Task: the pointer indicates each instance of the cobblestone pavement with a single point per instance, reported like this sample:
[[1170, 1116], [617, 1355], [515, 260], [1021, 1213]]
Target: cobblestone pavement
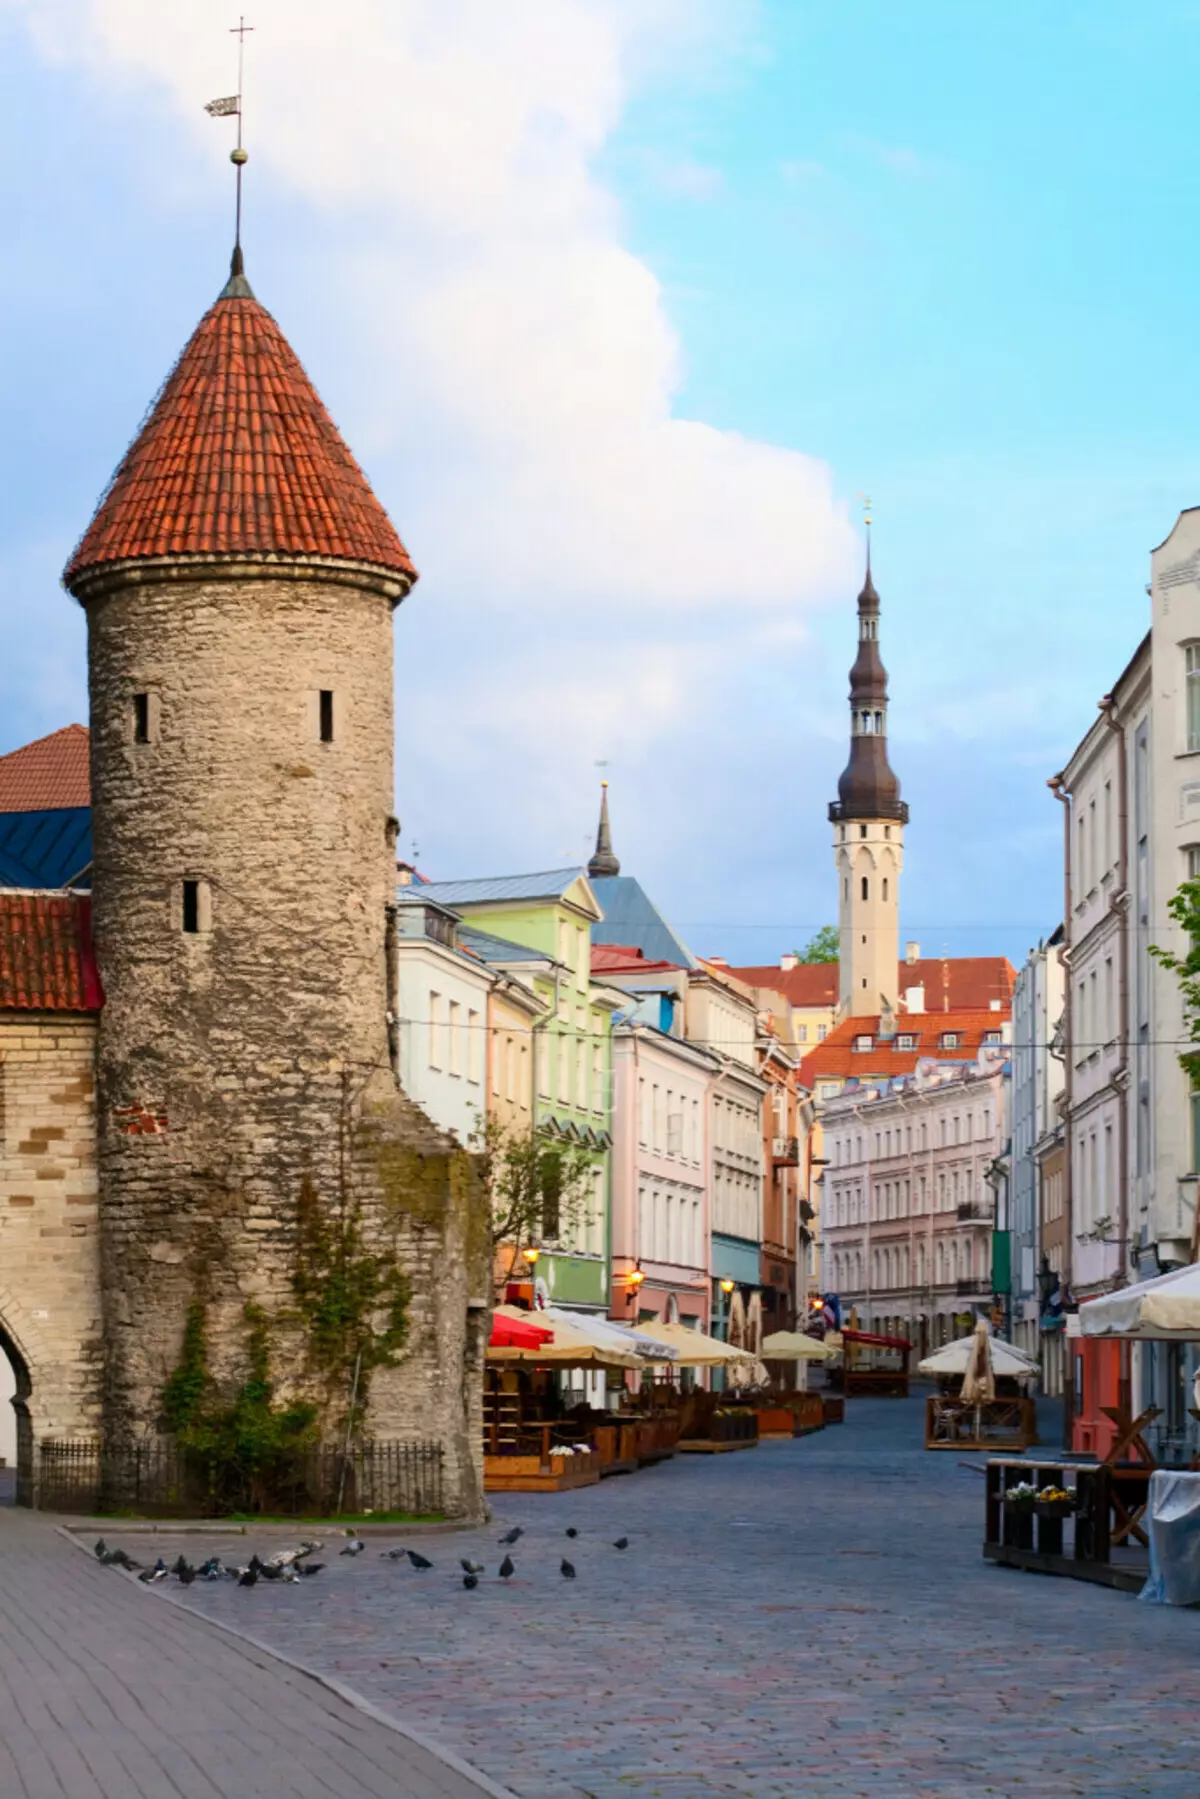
[[106, 1695], [811, 1619]]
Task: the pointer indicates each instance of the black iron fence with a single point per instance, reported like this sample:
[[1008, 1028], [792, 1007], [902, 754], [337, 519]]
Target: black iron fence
[[156, 1478]]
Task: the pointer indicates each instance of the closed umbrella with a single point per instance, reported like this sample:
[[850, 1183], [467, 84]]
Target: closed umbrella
[[979, 1382]]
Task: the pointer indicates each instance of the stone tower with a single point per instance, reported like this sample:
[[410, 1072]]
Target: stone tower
[[868, 819], [239, 580]]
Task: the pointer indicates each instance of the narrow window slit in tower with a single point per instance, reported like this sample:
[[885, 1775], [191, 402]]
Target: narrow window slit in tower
[[865, 888], [326, 699], [141, 718], [191, 907]]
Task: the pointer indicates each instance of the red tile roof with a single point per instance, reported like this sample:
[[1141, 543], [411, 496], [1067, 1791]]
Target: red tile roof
[[48, 775], [837, 1059], [46, 959], [621, 958], [967, 981], [239, 457]]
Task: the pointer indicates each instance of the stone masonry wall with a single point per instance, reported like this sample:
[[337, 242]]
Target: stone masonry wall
[[238, 1063], [49, 1239]]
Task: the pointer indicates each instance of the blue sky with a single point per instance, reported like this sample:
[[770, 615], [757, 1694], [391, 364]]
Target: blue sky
[[944, 254]]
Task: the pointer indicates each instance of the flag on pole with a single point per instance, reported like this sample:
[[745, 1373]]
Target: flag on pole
[[221, 109]]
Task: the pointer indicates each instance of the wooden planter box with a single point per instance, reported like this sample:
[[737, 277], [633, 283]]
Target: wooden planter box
[[834, 1408], [616, 1448], [530, 1474], [657, 1438]]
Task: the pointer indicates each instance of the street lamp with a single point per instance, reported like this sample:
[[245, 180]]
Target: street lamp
[[634, 1280], [725, 1287], [532, 1256]]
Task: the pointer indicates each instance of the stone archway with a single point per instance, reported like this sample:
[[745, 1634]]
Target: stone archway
[[22, 1389]]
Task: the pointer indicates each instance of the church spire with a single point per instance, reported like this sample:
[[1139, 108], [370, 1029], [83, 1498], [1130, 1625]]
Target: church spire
[[867, 787], [604, 862]]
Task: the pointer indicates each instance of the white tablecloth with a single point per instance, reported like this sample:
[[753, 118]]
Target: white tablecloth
[[1172, 1521]]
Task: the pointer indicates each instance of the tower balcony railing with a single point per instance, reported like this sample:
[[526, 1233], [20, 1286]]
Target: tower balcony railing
[[841, 814]]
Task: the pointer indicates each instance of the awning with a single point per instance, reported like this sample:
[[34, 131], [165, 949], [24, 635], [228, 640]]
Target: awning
[[1167, 1307], [518, 1333], [693, 1349], [876, 1342], [622, 1337], [954, 1357], [794, 1346], [576, 1344]]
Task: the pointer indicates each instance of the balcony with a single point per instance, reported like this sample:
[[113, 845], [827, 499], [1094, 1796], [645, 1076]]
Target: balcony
[[785, 1152], [897, 809], [976, 1211], [974, 1287]]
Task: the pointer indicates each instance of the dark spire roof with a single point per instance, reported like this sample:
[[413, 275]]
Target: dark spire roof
[[238, 458], [867, 787], [604, 862]]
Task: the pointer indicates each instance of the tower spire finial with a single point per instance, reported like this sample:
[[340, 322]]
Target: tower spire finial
[[237, 287], [604, 862]]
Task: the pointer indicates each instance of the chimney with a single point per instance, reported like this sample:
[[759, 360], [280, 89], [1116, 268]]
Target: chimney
[[789, 961], [912, 952], [914, 998]]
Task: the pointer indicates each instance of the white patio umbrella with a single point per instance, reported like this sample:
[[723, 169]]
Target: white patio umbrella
[[979, 1380], [953, 1358], [1166, 1307]]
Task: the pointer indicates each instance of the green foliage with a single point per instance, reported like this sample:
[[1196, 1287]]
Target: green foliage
[[246, 1442], [1184, 908], [536, 1186], [824, 947], [353, 1303]]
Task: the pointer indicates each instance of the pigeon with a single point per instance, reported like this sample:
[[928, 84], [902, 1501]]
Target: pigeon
[[117, 1558], [354, 1547], [511, 1536], [419, 1561], [186, 1576], [507, 1567], [269, 1571], [571, 1531], [307, 1568], [621, 1543], [158, 1572], [179, 1565], [566, 1569], [471, 1567], [393, 1555], [247, 1577], [212, 1569], [101, 1549], [470, 1581]]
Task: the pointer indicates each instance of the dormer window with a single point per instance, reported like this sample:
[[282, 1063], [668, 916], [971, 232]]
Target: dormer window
[[950, 1040], [906, 1041], [865, 1042], [991, 1037]]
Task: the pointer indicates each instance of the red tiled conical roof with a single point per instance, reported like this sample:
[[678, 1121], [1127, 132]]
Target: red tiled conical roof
[[239, 457]]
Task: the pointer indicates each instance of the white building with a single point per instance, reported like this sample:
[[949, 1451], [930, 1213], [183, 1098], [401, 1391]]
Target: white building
[[909, 1204], [1037, 1082], [441, 1016]]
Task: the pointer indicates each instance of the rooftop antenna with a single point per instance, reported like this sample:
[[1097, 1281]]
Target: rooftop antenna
[[866, 506], [231, 105]]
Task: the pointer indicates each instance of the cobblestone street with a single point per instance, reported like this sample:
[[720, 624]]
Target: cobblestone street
[[809, 1618]]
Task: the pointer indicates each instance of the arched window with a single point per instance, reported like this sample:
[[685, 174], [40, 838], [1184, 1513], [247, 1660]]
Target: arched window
[[864, 887], [879, 724], [885, 887]]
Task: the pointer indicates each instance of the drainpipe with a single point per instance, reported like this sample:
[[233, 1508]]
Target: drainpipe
[[1057, 786], [391, 939], [1119, 904]]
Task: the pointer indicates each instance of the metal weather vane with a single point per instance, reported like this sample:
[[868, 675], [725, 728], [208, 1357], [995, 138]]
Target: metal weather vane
[[231, 106]]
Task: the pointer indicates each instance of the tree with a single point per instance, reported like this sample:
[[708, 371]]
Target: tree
[[1184, 908], [537, 1187], [824, 946]]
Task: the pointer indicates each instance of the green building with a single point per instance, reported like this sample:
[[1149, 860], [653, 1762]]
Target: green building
[[537, 928]]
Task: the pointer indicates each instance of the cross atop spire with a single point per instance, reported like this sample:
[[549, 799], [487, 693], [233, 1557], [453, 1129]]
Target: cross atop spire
[[604, 862], [237, 287]]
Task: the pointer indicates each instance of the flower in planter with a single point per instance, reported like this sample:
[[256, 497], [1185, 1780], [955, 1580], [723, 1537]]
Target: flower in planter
[[1022, 1495]]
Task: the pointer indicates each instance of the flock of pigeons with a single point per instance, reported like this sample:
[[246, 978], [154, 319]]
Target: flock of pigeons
[[296, 1564]]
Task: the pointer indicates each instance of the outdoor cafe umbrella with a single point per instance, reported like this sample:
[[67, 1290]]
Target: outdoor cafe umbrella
[[1166, 1307], [979, 1381], [575, 1344], [1007, 1360], [794, 1346], [518, 1333], [693, 1348]]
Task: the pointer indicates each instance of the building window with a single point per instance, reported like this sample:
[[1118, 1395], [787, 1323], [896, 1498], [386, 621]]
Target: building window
[[325, 712], [455, 1057], [197, 908], [950, 1040], [862, 830], [991, 1037], [141, 718], [1192, 667], [865, 888], [864, 1043], [822, 1030], [474, 1047], [885, 888], [1192, 861], [801, 1033], [435, 1030], [905, 1041]]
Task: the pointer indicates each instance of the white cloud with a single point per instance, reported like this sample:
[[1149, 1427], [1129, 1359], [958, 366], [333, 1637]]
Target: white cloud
[[505, 338]]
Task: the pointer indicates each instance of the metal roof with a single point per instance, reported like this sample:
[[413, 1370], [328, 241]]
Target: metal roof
[[498, 951], [46, 849], [551, 884], [632, 918]]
